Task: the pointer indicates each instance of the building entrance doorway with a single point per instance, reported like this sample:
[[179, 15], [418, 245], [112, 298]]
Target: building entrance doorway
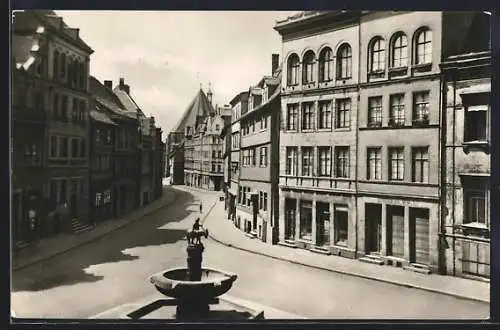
[[373, 227], [419, 235], [322, 224]]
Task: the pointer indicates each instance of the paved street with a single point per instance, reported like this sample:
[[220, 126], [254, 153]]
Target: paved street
[[113, 270]]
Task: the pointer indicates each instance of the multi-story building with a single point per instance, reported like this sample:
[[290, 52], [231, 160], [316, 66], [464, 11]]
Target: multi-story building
[[126, 168], [231, 136], [101, 159], [29, 127], [175, 157], [361, 132], [257, 202], [318, 147], [64, 62], [203, 149], [466, 137]]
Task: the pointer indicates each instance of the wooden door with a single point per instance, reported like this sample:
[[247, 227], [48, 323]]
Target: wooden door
[[419, 222]]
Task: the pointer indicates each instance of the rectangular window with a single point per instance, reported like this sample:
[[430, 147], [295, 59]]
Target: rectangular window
[[240, 194], [265, 201], [476, 204], [343, 119], [397, 115], [374, 156], [74, 113], [305, 220], [396, 164], [263, 156], [476, 123], [83, 110], [292, 117], [63, 147], [307, 116], [421, 107], [325, 114], [420, 160], [291, 160], [375, 111], [53, 146], [252, 157], [341, 217], [56, 106], [64, 107], [74, 148], [342, 162], [325, 161], [307, 161]]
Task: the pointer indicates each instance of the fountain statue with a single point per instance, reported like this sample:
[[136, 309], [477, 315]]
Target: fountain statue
[[194, 288]]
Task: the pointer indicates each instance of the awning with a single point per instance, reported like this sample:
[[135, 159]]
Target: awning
[[476, 89]]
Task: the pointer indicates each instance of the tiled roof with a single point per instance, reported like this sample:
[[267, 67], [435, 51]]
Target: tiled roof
[[108, 99], [127, 101], [101, 117], [199, 107]]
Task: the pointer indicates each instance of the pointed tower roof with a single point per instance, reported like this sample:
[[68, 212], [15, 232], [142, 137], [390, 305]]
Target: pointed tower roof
[[199, 107]]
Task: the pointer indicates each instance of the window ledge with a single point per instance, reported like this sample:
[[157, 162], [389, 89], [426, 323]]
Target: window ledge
[[475, 229], [398, 69], [424, 67], [476, 146]]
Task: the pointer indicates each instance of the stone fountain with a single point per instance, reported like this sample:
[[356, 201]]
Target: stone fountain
[[190, 291]]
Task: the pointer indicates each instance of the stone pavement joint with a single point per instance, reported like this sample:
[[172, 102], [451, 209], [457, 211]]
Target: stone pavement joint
[[58, 245], [223, 231]]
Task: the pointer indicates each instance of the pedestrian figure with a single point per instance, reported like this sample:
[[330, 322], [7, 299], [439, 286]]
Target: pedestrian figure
[[201, 207]]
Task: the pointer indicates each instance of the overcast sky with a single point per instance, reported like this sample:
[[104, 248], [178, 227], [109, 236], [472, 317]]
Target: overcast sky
[[164, 56]]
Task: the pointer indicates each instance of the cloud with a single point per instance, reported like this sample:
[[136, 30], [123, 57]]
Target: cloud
[[164, 56]]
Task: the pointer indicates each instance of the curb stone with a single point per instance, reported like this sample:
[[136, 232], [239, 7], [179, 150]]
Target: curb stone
[[373, 278], [91, 239]]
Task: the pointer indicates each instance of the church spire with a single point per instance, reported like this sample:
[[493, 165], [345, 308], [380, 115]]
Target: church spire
[[209, 93]]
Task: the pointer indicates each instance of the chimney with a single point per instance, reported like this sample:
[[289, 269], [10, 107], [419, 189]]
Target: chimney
[[108, 84], [126, 88], [275, 62], [122, 83]]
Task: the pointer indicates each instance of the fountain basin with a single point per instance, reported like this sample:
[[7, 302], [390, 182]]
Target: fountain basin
[[174, 283]]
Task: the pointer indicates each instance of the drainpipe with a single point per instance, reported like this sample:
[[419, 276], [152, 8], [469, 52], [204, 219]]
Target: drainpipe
[[356, 140], [453, 167], [443, 166]]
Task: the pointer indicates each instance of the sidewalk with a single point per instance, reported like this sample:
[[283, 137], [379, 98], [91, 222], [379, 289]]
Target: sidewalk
[[56, 245], [223, 231]]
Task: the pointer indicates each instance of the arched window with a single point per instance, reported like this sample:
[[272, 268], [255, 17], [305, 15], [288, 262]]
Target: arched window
[[308, 67], [423, 47], [55, 65], [325, 64], [377, 55], [399, 54], [293, 69], [344, 62], [63, 66]]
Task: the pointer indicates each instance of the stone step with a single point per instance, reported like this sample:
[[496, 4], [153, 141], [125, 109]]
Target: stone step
[[287, 243], [372, 259], [418, 268], [250, 235], [320, 250]]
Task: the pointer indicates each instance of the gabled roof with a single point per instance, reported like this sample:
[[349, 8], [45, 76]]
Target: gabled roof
[[106, 98], [199, 107], [22, 51], [127, 101]]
